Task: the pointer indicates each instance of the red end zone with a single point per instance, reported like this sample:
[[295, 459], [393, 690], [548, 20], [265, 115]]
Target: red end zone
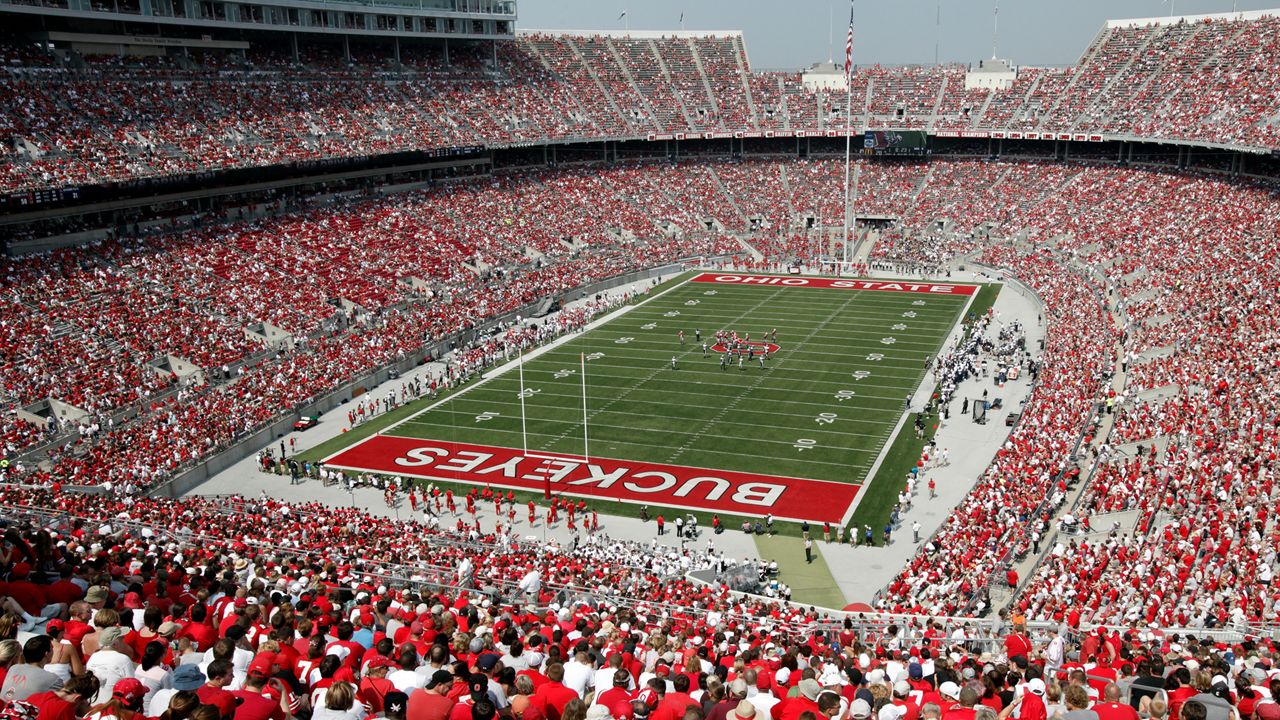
[[836, 283], [721, 491]]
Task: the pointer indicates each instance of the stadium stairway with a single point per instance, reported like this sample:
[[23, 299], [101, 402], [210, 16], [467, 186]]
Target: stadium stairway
[[756, 255], [1002, 596], [706, 83], [666, 77], [604, 93], [728, 196], [626, 73], [740, 55]]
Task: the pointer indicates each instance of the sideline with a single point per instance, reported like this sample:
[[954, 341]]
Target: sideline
[[956, 331]]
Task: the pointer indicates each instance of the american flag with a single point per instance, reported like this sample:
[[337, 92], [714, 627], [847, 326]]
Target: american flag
[[848, 45]]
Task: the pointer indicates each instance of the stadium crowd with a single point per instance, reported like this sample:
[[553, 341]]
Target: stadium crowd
[[160, 609], [70, 120], [1058, 228]]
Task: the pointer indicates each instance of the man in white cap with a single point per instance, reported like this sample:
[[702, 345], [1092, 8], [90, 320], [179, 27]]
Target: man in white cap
[[964, 701], [906, 698], [1032, 705], [950, 693]]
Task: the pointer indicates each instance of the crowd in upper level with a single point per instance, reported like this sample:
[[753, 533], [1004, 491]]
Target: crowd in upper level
[[70, 120]]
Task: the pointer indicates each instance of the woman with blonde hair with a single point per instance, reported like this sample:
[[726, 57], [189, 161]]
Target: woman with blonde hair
[[339, 704], [102, 620], [10, 651]]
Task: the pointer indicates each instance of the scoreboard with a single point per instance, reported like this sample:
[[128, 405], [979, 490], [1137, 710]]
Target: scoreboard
[[35, 198], [902, 143]]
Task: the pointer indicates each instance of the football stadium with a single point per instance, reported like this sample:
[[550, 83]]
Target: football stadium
[[400, 359]]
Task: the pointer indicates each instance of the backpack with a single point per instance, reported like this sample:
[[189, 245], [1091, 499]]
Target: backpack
[[19, 710]]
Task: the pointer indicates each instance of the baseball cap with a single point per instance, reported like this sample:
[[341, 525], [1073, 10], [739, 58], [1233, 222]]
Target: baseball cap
[[440, 677], [487, 662], [892, 712], [949, 689], [859, 708], [1035, 685], [914, 671], [810, 688], [379, 663], [395, 702], [95, 594], [262, 665], [129, 689], [110, 636], [187, 677], [648, 697], [478, 685], [902, 688]]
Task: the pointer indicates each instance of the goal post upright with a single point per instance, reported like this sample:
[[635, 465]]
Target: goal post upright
[[586, 449], [524, 433]]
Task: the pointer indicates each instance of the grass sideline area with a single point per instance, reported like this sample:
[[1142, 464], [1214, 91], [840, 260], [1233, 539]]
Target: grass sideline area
[[882, 493], [631, 395]]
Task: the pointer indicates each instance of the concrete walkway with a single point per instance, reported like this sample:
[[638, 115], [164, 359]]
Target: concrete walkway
[[858, 572], [862, 571]]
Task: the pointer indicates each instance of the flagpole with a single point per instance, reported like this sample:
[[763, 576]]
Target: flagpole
[[848, 129]]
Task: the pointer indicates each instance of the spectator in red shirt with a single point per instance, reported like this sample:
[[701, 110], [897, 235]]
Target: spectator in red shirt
[[1031, 703], [551, 698], [375, 685], [617, 693], [198, 630], [214, 692], [1111, 708], [1016, 643], [965, 710], [68, 702], [432, 702], [30, 595], [254, 705], [64, 591]]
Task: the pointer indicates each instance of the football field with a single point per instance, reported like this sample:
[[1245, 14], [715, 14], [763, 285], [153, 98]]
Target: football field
[[668, 422]]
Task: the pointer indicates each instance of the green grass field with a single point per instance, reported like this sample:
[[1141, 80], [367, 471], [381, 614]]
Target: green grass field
[[823, 407]]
